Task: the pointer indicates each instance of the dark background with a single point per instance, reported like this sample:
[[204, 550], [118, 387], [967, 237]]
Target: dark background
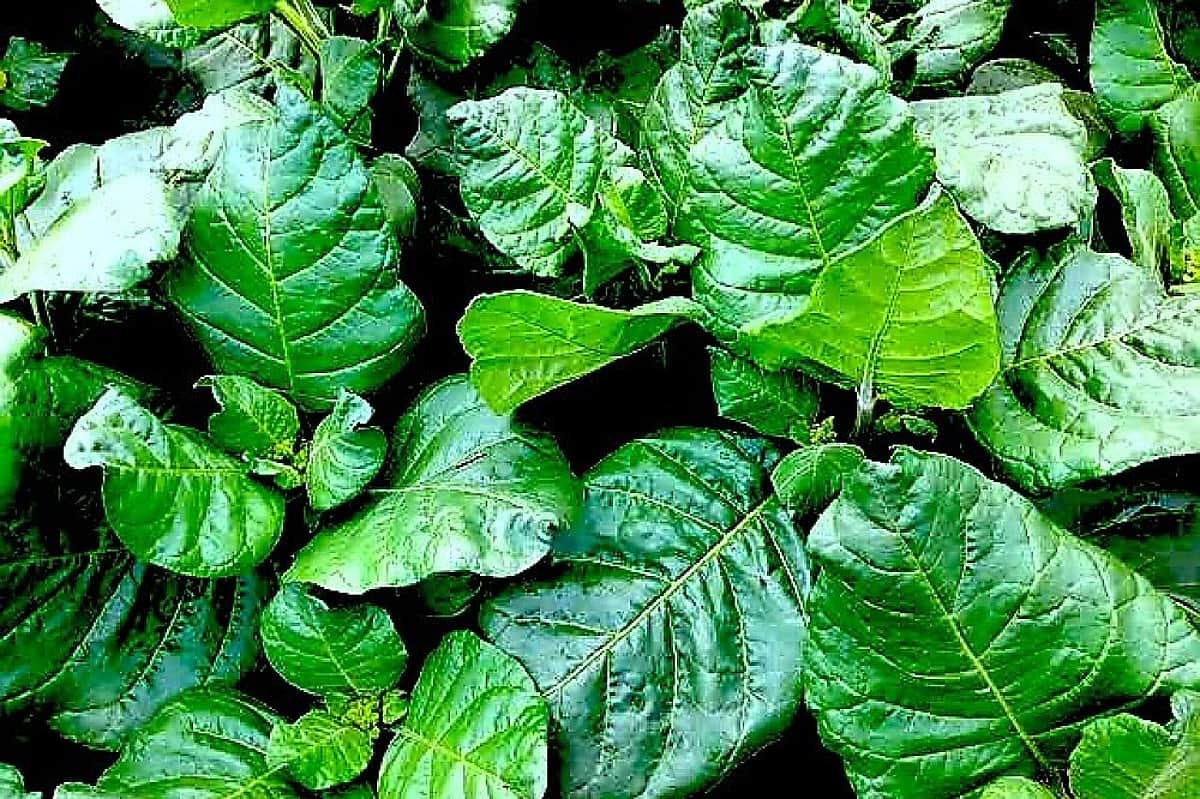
[[108, 91]]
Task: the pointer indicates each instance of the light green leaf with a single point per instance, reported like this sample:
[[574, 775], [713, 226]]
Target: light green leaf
[[150, 18], [523, 344], [907, 316], [105, 242], [1176, 128], [320, 750], [682, 585], [453, 33], [476, 729], [1145, 210], [211, 14], [31, 74], [816, 158], [808, 478], [1013, 160], [1125, 757], [1016, 788], [399, 190], [205, 744], [950, 37], [1099, 371], [957, 635], [173, 498], [772, 403], [1132, 71], [12, 784], [253, 421], [532, 164], [1185, 250], [471, 492], [345, 456], [289, 269], [324, 651], [95, 642], [350, 72], [21, 178]]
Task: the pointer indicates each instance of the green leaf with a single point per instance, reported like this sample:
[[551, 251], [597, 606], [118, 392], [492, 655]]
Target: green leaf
[[1132, 71], [532, 166], [1145, 211], [104, 242], [1099, 371], [453, 33], [1124, 757], [350, 72], [211, 14], [523, 344], [205, 744], [150, 18], [816, 158], [1013, 160], [693, 96], [1177, 151], [344, 456], [772, 403], [12, 784], [288, 275], [958, 635], [476, 729], [908, 316], [399, 190], [470, 492], [173, 498], [96, 642], [1016, 788], [253, 421], [31, 74], [808, 478], [21, 178], [675, 614], [950, 37], [323, 651], [320, 750]]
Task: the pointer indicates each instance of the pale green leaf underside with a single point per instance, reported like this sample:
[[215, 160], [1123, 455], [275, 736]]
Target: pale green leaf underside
[[950, 37], [1176, 128], [345, 456], [957, 635], [1145, 210], [1016, 788]]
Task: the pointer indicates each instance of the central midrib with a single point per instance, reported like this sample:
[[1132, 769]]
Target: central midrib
[[437, 746], [269, 259]]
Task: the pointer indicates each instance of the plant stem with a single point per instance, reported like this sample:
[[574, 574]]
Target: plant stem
[[865, 408], [302, 17]]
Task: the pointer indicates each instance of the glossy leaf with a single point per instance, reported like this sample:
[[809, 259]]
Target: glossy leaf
[[344, 456], [324, 651], [523, 344], [950, 37], [908, 316], [1014, 160], [350, 72], [453, 33], [31, 74], [150, 18], [253, 420], [476, 729], [1177, 151], [288, 272], [1099, 372], [320, 750], [772, 403], [809, 477], [171, 496], [675, 614], [12, 784], [1016, 788], [471, 491], [210, 14], [957, 635]]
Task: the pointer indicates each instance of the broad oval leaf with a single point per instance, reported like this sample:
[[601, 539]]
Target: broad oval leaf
[[173, 498], [809, 477], [253, 420], [288, 270], [523, 344], [957, 635], [476, 729], [1099, 370], [453, 33], [320, 750], [471, 491], [325, 651], [669, 641], [1013, 160], [908, 316], [344, 455], [99, 642], [950, 37]]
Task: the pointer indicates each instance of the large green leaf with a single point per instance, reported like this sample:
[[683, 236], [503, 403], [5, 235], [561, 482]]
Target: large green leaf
[[470, 491], [98, 642], [453, 33], [907, 316], [523, 344], [693, 96], [204, 744], [151, 18], [1176, 128], [208, 14], [771, 403], [289, 268], [669, 640], [1125, 757], [532, 164], [817, 157], [1132, 70], [345, 455], [320, 750], [809, 477], [476, 729], [172, 497], [957, 635], [1099, 370], [1014, 160], [325, 651], [949, 37]]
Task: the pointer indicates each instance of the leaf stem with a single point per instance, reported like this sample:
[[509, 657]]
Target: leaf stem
[[864, 408], [305, 21]]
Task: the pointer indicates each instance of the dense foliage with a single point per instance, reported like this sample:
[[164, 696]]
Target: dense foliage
[[477, 399]]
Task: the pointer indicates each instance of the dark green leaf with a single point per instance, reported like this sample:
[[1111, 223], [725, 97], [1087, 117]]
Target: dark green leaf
[[253, 420], [30, 74], [773, 403]]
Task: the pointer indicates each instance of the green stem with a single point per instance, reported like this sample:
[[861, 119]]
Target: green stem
[[302, 18]]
